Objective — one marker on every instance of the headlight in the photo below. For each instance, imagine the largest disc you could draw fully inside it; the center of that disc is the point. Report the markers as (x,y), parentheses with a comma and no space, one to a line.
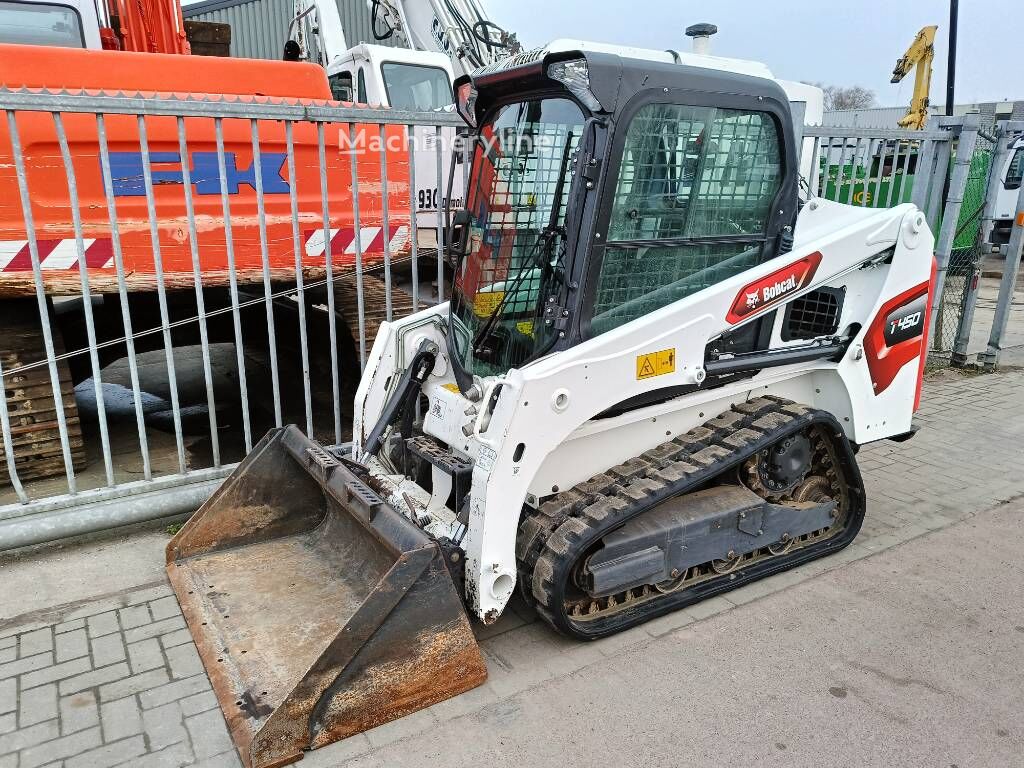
(575,75)
(467,103)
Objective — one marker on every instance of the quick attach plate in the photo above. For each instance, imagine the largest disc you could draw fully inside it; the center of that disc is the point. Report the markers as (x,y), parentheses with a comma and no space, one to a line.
(460,469)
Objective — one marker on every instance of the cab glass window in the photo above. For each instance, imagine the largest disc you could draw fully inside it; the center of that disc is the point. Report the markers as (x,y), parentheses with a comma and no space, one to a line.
(1015,171)
(40,24)
(341,86)
(695,193)
(416,88)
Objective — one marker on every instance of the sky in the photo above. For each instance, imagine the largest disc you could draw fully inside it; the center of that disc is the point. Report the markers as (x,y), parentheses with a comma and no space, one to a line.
(835,43)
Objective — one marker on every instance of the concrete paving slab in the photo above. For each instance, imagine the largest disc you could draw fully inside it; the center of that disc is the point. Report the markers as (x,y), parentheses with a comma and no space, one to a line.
(902,649)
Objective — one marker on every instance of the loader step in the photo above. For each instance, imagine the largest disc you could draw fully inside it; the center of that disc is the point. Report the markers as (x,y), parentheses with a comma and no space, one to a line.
(443,458)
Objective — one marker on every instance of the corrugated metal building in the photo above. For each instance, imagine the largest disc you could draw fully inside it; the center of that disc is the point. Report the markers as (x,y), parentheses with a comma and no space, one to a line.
(886,117)
(259,28)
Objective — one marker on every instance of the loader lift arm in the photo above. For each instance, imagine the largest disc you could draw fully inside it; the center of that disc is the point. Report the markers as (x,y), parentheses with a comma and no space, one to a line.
(918,57)
(405,392)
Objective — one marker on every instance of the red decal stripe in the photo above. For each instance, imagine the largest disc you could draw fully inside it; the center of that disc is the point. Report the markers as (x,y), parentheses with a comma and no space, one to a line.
(377,243)
(345,237)
(342,240)
(22,262)
(774,288)
(99,253)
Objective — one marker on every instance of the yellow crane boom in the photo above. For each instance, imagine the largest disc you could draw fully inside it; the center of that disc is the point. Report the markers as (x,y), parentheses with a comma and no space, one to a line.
(919,55)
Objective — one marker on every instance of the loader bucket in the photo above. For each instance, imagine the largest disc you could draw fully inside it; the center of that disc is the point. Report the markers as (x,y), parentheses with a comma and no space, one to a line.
(318,610)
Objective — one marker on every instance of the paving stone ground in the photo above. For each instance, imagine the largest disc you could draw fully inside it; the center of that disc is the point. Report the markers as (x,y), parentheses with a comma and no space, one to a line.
(117,680)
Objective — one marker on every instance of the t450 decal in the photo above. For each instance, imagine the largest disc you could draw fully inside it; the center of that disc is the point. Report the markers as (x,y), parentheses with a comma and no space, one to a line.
(897,335)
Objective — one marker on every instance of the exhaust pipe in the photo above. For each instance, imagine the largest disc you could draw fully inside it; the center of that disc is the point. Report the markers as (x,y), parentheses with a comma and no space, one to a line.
(701,34)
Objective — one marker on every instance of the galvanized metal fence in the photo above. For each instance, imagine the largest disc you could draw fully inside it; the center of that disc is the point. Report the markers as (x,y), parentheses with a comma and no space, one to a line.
(179,275)
(942,170)
(878,168)
(1006,256)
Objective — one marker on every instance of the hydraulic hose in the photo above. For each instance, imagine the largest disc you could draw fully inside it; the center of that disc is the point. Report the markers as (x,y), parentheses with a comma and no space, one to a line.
(374,16)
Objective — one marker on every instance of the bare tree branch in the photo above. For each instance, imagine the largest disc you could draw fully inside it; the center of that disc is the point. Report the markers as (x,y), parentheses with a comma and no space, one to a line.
(846,97)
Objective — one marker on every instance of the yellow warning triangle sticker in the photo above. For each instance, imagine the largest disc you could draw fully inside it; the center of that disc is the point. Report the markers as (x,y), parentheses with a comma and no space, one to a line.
(656,363)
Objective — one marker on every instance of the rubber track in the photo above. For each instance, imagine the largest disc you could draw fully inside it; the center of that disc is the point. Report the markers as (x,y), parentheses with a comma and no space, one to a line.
(552,537)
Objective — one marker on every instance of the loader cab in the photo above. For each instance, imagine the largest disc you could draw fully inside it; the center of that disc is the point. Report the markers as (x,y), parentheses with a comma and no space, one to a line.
(604,187)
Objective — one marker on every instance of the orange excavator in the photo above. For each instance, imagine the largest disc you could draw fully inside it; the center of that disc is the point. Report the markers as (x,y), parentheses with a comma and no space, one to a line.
(149,26)
(121,48)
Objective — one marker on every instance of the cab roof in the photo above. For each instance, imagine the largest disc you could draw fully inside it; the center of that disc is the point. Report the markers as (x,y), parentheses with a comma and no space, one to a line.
(557,49)
(619,72)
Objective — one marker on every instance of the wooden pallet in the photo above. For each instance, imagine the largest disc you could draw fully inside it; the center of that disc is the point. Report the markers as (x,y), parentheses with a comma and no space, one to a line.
(35,436)
(374,305)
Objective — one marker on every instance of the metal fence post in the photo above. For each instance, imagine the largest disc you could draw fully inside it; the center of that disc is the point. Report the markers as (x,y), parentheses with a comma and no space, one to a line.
(958,359)
(990,358)
(923,176)
(951,211)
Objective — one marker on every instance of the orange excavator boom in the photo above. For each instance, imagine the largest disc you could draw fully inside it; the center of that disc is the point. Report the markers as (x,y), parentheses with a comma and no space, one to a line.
(148,26)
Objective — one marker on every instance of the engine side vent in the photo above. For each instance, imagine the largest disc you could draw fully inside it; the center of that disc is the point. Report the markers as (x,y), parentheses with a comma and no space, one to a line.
(814,314)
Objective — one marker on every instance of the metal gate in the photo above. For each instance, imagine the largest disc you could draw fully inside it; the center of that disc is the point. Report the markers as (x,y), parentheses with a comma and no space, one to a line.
(997,209)
(942,170)
(179,275)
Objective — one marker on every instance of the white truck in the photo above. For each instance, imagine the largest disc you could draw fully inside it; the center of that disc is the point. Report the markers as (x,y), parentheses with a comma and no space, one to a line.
(1006,196)
(433,42)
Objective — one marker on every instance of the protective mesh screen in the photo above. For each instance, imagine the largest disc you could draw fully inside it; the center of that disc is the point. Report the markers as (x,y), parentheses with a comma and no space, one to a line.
(637,281)
(524,183)
(522,158)
(687,172)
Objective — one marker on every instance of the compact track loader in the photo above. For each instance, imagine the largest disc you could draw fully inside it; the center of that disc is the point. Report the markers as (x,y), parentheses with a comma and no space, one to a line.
(648,388)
